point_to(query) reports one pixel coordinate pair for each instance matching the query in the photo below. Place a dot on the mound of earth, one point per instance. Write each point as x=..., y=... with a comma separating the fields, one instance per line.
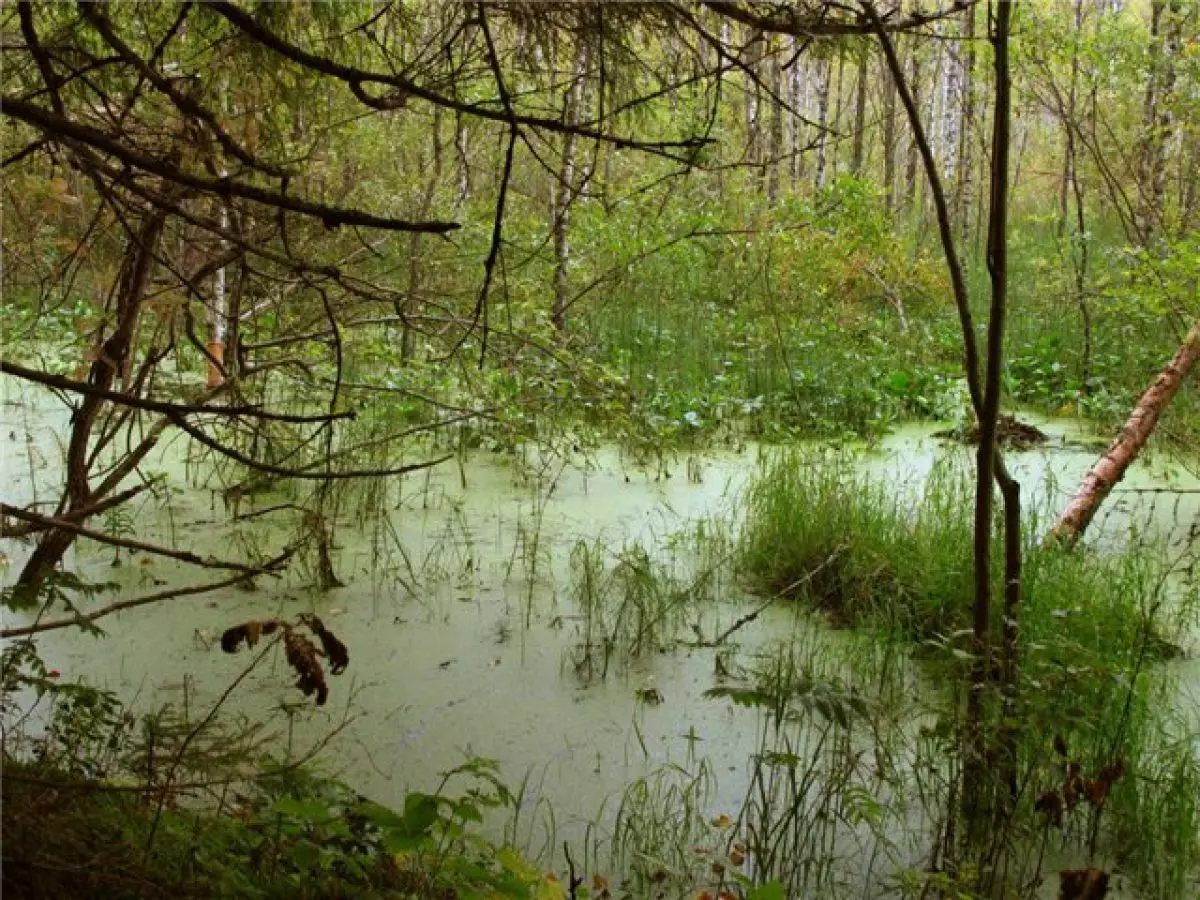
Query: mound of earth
x=1011, y=433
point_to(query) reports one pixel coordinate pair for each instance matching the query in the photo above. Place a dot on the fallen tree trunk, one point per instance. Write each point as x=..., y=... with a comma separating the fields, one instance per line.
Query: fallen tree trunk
x=1110, y=468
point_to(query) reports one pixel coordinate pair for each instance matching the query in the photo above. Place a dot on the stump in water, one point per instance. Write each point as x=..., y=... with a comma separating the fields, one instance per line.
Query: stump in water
x=1010, y=433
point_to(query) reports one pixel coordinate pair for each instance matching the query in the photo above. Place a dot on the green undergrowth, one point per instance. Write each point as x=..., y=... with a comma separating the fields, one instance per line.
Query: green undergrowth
x=291, y=834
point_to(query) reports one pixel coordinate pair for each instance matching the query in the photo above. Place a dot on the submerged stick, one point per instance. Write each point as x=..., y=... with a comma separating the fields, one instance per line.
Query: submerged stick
x=761, y=608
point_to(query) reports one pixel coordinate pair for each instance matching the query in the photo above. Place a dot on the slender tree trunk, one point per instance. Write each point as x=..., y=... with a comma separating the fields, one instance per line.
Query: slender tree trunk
x=889, y=142
x=823, y=73
x=753, y=97
x=914, y=156
x=860, y=114
x=1072, y=184
x=951, y=116
x=801, y=95
x=1068, y=164
x=218, y=314
x=1156, y=118
x=412, y=299
x=775, y=146
x=966, y=155
x=792, y=121
x=1010, y=490
x=464, y=169
x=564, y=193
x=979, y=802
x=1111, y=468
x=838, y=94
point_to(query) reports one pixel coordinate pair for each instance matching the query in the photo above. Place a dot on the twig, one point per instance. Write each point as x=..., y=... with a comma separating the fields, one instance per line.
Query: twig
x=356, y=78
x=761, y=608
x=181, y=555
x=330, y=216
x=76, y=515
x=283, y=472
x=573, y=881
x=124, y=399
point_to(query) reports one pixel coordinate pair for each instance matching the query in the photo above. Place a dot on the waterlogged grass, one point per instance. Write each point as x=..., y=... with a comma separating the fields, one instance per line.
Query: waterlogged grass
x=630, y=602
x=819, y=529
x=1094, y=626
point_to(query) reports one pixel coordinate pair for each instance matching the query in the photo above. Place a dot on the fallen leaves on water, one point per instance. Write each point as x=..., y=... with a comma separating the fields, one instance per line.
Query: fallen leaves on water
x=302, y=657
x=335, y=650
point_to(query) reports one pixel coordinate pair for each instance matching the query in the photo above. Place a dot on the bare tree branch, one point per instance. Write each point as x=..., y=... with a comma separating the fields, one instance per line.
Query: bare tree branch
x=227, y=188
x=186, y=556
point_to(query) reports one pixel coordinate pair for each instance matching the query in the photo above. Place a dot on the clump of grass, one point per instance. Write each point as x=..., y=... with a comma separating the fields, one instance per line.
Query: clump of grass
x=631, y=602
x=629, y=606
x=905, y=566
x=880, y=564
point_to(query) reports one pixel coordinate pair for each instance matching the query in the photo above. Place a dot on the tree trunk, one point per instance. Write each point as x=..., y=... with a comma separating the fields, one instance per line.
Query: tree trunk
x=860, y=115
x=412, y=298
x=464, y=169
x=889, y=143
x=800, y=90
x=219, y=312
x=914, y=153
x=753, y=95
x=951, y=112
x=775, y=147
x=966, y=186
x=112, y=357
x=1071, y=180
x=1156, y=118
x=1110, y=469
x=838, y=97
x=563, y=193
x=822, y=120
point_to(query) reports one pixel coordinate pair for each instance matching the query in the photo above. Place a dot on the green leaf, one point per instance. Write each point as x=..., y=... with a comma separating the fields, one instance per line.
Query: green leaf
x=772, y=890
x=311, y=811
x=305, y=855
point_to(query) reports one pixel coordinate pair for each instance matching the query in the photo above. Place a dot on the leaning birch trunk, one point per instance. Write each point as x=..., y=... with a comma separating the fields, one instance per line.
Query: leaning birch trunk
x=1111, y=467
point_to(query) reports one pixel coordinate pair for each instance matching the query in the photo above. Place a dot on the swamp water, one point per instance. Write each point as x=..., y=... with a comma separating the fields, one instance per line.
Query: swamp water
x=461, y=612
